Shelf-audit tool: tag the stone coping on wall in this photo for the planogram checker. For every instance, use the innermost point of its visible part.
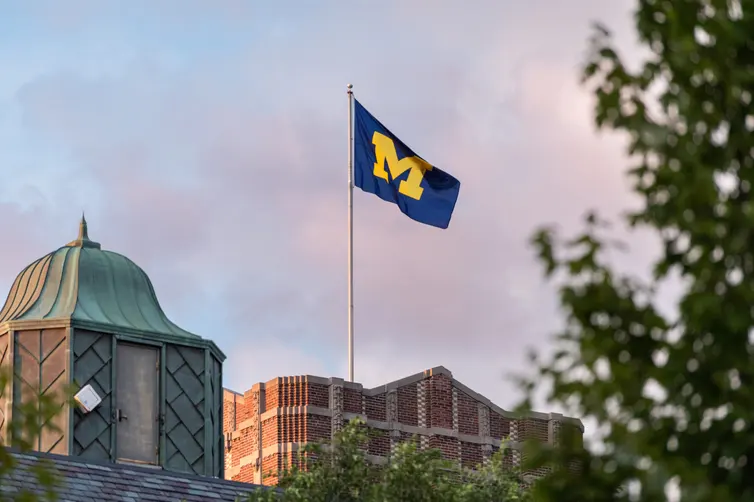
(411, 379)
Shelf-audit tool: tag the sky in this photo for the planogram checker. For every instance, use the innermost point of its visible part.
(207, 141)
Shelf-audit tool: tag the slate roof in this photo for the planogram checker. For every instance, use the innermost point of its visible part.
(85, 481)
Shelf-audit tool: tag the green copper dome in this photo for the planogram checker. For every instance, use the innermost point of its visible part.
(82, 282)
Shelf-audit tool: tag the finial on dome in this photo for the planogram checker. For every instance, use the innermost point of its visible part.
(83, 239)
(83, 231)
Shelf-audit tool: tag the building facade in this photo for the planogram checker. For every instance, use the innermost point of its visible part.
(267, 425)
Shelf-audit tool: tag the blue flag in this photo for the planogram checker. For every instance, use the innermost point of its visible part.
(386, 167)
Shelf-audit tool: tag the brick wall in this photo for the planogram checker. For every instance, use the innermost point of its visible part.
(231, 400)
(270, 432)
(440, 402)
(446, 444)
(375, 407)
(379, 443)
(317, 428)
(430, 407)
(471, 454)
(249, 408)
(271, 395)
(407, 405)
(499, 426)
(271, 465)
(533, 429)
(319, 395)
(246, 474)
(352, 401)
(468, 414)
(241, 445)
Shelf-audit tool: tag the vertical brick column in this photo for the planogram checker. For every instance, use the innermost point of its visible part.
(230, 405)
(553, 428)
(441, 401)
(230, 402)
(485, 431)
(454, 412)
(515, 437)
(454, 409)
(259, 394)
(391, 417)
(391, 407)
(336, 405)
(422, 389)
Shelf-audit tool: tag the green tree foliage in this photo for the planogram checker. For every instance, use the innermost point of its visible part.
(30, 417)
(673, 391)
(341, 472)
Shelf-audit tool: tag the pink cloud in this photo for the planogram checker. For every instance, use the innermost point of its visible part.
(226, 180)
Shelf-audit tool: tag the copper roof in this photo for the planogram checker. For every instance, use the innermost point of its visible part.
(82, 282)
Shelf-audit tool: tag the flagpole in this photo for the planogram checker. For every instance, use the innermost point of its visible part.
(350, 233)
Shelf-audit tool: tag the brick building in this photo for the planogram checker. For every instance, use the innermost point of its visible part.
(284, 414)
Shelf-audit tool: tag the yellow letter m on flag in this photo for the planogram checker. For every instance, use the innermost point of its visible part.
(384, 152)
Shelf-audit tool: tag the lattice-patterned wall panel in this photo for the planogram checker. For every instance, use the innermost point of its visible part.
(39, 368)
(5, 365)
(217, 439)
(92, 364)
(184, 409)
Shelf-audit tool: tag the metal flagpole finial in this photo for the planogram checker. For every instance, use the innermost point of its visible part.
(350, 88)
